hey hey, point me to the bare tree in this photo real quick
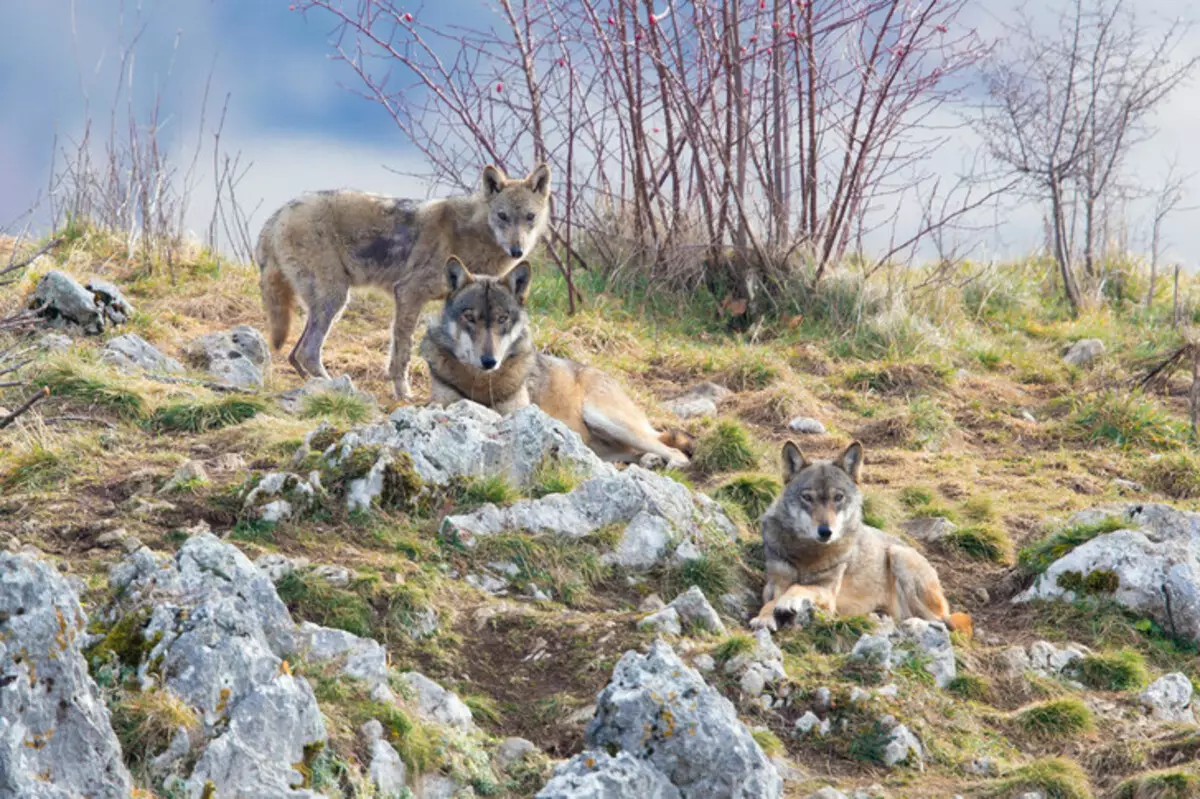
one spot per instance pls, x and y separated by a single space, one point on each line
1166 202
1069 99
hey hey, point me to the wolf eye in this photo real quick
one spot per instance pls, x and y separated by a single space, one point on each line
838 497
528 217
807 497
502 320
503 217
469 317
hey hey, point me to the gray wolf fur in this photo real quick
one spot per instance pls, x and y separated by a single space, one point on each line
481 349
319 246
818 549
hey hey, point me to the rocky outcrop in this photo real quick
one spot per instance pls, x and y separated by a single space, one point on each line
662 712
891 646
1153 565
597 775
131 352
62 303
1169 698
237 358
55 735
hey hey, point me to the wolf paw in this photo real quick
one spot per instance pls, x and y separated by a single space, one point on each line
764 623
652 461
794 610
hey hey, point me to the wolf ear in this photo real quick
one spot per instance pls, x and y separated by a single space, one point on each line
793 461
539 179
493 179
457 275
852 460
518 279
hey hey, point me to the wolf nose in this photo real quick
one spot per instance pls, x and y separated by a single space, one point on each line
824 532
515 252
487 362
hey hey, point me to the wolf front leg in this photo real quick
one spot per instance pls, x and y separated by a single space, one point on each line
408 312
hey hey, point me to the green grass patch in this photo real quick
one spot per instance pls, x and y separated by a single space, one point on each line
1128 420
1055 777
553 477
915 497
725 448
769 742
200 417
979 509
1054 720
335 405
732 646
567 568
971 687
38 468
95 391
494 489
1167 784
1037 557
929 422
753 493
715 572
1094 583
1177 475
828 635
981 542
1123 670
314 599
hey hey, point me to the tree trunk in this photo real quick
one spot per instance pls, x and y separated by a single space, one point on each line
1061 253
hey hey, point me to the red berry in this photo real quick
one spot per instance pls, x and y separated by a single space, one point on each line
499 87
408 17
612 21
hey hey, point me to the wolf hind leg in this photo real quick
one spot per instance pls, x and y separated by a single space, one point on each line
918 592
322 313
635 434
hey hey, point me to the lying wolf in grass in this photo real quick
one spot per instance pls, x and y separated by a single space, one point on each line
319 246
818 549
481 349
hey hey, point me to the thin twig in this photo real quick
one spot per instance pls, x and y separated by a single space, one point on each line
35 399
24 262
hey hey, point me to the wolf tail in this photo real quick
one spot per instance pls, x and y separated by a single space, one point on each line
677 439
960 623
278 298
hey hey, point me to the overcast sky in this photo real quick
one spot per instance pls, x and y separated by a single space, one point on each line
293 118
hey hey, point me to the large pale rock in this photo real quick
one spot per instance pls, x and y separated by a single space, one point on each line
55 736
1169 698
661 711
1156 562
116 308
597 775
238 357
1084 352
435 703
654 510
63 303
131 352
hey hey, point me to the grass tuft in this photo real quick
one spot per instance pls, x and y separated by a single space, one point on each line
981 542
98 391
726 448
200 417
1037 557
971 687
1055 719
1123 670
494 489
1053 777
146 722
753 493
1128 421
40 467
336 405
1177 476
1169 784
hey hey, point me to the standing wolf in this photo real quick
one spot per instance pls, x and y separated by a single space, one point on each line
818 549
320 245
482 349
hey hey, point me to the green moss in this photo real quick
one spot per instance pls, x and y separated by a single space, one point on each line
1056 719
753 493
1036 558
325 437
1123 670
1099 582
402 486
971 687
125 640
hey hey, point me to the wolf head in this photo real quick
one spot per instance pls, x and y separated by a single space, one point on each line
820 501
484 318
517 209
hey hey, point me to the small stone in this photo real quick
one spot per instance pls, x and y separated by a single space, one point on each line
873 650
651 604
889 691
980 595
929 528
371 731
1084 352
902 747
983 767
704 663
807 723
806 426
823 699
665 622
487 583
190 474
53 342
513 750
858 695
828 793
336 576
131 352
687 552
700 400
1169 698
695 611
1128 486
753 682
237 357
1029 417
112 538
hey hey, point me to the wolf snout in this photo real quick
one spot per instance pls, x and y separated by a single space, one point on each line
487 362
515 252
824 532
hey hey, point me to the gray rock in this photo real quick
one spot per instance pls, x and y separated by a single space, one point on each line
695 611
464 441
293 401
929 528
1084 352
1169 698
700 400
488 584
1156 562
117 309
55 736
687 551
387 770
823 699
1127 486
62 303
932 640
191 473
276 566
439 786
806 426
237 358
753 683
705 663
281 495
513 750
653 509
659 710
828 793
598 775
360 658
435 703
651 604
337 576
807 723
983 767
131 352
664 622
1048 660
53 342
873 650
903 747
1014 661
